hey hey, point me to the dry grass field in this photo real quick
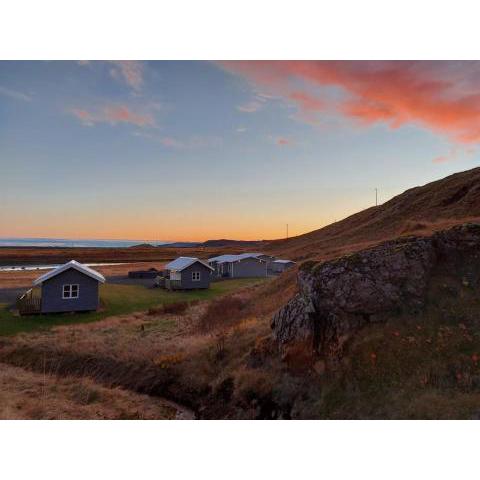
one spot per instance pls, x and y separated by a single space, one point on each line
29 395
173 355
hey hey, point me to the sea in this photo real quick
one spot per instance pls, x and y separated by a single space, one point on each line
67 242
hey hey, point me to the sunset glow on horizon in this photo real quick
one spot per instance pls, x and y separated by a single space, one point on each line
190 151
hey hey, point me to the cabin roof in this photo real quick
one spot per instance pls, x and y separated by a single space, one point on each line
71 264
181 263
234 258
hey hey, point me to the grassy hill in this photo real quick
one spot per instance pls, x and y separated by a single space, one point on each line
420 211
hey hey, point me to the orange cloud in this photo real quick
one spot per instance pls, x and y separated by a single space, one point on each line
441 159
307 102
113 114
443 97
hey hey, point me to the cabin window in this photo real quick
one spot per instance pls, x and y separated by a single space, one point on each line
71 291
195 276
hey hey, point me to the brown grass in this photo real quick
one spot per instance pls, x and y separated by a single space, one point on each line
221 313
28 395
175 308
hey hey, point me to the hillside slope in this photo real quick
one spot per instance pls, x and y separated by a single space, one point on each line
420 211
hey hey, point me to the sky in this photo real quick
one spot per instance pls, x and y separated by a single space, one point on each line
190 151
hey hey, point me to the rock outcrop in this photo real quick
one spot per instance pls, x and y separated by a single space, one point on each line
338 297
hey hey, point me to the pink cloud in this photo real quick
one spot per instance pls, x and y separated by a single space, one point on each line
113 114
455 152
85 117
131 72
443 97
441 159
120 113
171 142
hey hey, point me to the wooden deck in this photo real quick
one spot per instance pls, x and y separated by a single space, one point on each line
29 303
173 284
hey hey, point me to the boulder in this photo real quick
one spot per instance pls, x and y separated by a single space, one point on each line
338 297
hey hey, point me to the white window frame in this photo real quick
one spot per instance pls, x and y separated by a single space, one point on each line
70 291
196 276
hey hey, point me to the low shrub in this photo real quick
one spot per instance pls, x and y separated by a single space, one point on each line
155 310
175 308
172 308
165 361
221 313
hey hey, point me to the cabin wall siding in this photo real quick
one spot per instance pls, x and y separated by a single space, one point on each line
249 267
52 291
205 274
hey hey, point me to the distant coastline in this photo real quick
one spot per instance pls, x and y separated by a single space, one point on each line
72 243
24 242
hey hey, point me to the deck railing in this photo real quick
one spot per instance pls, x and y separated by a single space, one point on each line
29 303
173 284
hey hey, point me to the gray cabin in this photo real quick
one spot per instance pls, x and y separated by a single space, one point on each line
187 273
279 266
243 265
72 287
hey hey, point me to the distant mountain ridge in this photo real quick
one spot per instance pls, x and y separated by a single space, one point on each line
214 243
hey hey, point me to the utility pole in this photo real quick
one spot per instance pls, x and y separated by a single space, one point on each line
287 230
376 197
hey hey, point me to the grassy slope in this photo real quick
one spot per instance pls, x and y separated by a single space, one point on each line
117 300
420 211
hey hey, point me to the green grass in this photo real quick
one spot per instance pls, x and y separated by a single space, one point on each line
117 300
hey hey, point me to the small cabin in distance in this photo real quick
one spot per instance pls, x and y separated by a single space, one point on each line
279 266
244 265
71 287
150 273
187 273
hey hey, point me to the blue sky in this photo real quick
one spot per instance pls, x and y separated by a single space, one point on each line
198 150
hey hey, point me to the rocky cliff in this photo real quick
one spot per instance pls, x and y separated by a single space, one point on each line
338 297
